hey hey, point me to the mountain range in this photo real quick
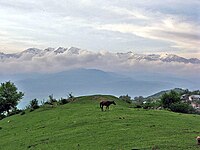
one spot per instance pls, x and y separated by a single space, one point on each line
60 71
91 81
34 52
88 82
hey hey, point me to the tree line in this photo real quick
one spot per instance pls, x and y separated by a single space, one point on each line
10 96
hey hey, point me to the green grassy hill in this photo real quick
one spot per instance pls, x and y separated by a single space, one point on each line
82 125
159 94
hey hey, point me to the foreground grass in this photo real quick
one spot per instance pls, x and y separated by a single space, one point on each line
81 125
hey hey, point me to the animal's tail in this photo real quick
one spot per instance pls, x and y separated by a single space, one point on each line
101 106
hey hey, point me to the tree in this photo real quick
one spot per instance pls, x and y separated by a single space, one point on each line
168 99
34 104
182 108
139 99
126 98
70 97
9 96
51 100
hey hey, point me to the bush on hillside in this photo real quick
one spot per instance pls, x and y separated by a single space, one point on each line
2 116
168 99
182 108
173 102
147 106
151 105
14 111
139 99
51 100
34 104
23 113
70 97
137 106
63 101
126 98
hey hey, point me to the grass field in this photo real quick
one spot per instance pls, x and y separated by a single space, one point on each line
81 125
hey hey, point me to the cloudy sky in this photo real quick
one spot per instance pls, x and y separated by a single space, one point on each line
142 26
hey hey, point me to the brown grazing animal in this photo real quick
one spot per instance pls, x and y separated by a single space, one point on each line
106 103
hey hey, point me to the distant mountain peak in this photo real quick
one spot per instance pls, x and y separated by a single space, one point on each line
60 50
35 52
73 50
49 49
164 58
32 50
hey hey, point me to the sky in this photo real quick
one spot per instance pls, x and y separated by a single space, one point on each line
142 26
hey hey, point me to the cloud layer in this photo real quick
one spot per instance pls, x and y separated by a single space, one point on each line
72 58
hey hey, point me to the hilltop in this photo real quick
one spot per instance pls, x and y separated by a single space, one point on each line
159 94
81 125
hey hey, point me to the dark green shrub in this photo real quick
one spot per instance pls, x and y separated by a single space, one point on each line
173 102
22 113
148 105
70 97
182 108
51 100
2 116
34 104
168 99
32 109
137 106
14 111
139 100
63 101
126 98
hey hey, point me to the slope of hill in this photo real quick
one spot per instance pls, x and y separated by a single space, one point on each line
81 125
159 94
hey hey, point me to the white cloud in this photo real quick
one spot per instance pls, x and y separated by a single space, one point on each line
84 22
103 60
182 34
132 14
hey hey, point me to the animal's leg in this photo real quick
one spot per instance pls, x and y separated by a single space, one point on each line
101 106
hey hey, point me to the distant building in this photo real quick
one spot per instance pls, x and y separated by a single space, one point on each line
185 97
194 97
195 105
193 100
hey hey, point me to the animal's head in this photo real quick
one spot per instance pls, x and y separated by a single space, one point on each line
113 102
198 138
